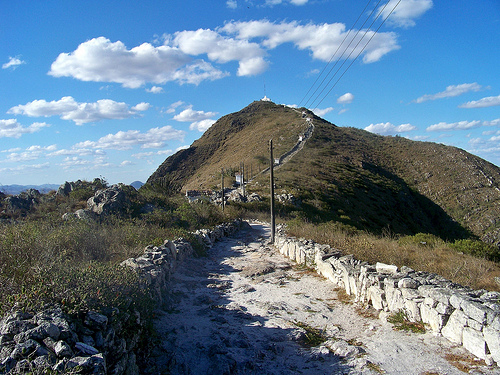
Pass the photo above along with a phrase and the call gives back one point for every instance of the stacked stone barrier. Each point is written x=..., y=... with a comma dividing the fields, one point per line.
x=51, y=341
x=464, y=316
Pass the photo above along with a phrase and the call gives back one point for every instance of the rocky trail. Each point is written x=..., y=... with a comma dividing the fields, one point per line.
x=246, y=309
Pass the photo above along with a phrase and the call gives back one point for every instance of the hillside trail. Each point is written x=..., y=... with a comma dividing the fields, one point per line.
x=246, y=309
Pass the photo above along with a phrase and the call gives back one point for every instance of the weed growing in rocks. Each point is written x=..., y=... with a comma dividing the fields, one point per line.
x=313, y=336
x=401, y=323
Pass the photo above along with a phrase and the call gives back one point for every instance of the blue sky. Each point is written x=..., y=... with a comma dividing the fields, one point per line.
x=112, y=88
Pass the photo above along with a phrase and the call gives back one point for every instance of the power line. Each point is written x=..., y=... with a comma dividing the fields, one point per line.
x=375, y=33
x=340, y=45
x=352, y=51
x=343, y=52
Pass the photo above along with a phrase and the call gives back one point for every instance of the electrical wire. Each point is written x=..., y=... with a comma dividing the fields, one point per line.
x=340, y=45
x=343, y=52
x=360, y=52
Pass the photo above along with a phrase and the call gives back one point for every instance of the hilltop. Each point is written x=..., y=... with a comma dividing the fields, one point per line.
x=370, y=182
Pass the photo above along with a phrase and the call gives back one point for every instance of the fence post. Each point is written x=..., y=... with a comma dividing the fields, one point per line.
x=273, y=225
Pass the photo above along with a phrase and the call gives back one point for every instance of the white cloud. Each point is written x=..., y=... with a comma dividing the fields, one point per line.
x=12, y=129
x=462, y=125
x=232, y=4
x=198, y=72
x=323, y=40
x=321, y=112
x=126, y=140
x=100, y=60
x=185, y=147
x=490, y=101
x=141, y=107
x=13, y=63
x=406, y=11
x=222, y=49
x=347, y=98
x=173, y=107
x=451, y=91
x=34, y=152
x=69, y=109
x=190, y=115
x=155, y=90
x=389, y=129
x=26, y=168
x=202, y=125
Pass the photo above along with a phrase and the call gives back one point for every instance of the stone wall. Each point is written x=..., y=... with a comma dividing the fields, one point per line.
x=467, y=317
x=92, y=342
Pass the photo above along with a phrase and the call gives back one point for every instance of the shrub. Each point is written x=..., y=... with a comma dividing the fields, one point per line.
x=477, y=248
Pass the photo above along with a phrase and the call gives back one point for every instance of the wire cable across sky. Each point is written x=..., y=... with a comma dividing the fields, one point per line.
x=325, y=87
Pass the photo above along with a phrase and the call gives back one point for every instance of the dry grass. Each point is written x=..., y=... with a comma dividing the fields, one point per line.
x=464, y=363
x=437, y=258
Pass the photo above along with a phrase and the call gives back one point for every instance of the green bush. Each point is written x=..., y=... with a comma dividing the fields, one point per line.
x=477, y=248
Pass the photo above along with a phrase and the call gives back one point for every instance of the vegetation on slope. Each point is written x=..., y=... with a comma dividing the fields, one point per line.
x=348, y=175
x=44, y=259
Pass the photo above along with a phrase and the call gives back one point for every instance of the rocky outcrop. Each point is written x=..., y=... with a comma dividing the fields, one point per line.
x=112, y=200
x=467, y=317
x=23, y=201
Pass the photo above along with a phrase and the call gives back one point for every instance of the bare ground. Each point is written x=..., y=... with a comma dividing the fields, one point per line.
x=246, y=309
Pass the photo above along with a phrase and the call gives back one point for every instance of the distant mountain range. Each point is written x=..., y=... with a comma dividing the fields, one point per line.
x=44, y=189
x=16, y=189
x=347, y=175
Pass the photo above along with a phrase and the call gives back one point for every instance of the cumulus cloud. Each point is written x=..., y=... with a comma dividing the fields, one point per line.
x=231, y=4
x=490, y=101
x=155, y=90
x=34, y=152
x=321, y=112
x=126, y=140
x=322, y=40
x=462, y=125
x=202, y=125
x=12, y=129
x=389, y=129
x=69, y=109
x=451, y=91
x=347, y=98
x=13, y=63
x=222, y=49
x=100, y=60
x=406, y=11
x=190, y=115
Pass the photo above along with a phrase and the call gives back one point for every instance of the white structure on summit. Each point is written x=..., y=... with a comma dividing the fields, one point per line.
x=265, y=99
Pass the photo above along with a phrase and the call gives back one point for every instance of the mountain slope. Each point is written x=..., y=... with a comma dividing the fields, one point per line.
x=348, y=175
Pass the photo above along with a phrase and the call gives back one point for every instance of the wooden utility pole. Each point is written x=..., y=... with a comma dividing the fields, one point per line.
x=273, y=225
x=243, y=178
x=222, y=185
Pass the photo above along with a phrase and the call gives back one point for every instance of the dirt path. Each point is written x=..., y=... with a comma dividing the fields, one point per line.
x=248, y=310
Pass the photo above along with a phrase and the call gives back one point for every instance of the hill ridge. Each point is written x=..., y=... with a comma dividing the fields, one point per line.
x=348, y=175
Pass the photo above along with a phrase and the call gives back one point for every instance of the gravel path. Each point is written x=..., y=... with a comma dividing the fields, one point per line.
x=245, y=309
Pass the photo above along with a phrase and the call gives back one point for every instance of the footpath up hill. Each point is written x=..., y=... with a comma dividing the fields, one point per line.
x=376, y=183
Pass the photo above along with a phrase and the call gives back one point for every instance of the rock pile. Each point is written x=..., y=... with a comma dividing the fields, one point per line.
x=53, y=341
x=464, y=316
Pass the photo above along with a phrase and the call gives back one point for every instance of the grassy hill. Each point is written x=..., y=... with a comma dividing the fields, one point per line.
x=380, y=184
